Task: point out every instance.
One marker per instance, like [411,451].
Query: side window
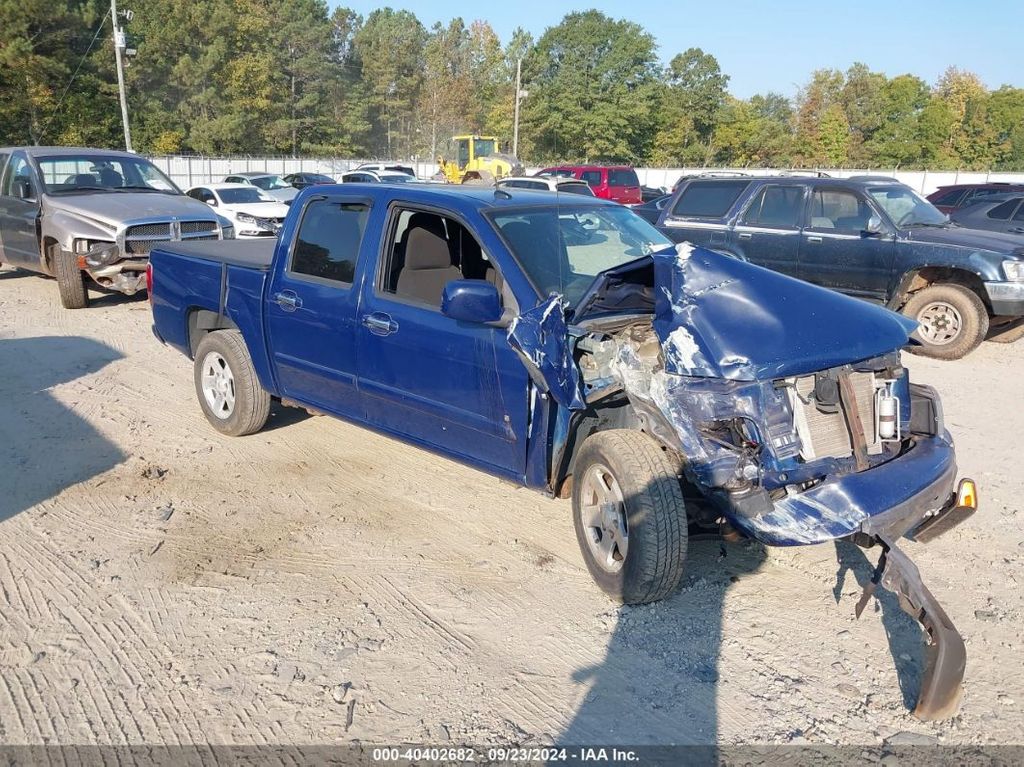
[1004,211]
[1019,215]
[429,250]
[195,194]
[838,210]
[776,207]
[463,153]
[708,199]
[18,170]
[327,244]
[592,177]
[3,165]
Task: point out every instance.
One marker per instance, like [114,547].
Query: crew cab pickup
[870,237]
[568,346]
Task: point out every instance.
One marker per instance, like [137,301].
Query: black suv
[868,236]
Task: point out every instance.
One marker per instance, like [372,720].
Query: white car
[271,183]
[380,166]
[252,211]
[376,177]
[546,183]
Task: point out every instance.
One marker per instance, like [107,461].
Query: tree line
[294,77]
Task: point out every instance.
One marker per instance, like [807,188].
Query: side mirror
[22,189]
[475,301]
[874,225]
[212,203]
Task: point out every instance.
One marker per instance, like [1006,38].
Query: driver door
[837,250]
[19,214]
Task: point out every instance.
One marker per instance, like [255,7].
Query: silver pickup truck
[91,216]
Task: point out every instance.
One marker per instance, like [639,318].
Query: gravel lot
[318,583]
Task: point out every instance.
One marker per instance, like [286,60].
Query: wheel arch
[201,322]
[924,276]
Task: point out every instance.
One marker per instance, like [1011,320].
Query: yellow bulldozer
[478,159]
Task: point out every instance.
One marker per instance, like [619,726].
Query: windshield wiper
[142,188]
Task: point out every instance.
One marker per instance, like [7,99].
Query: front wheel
[71,281]
[953,321]
[629,515]
[228,388]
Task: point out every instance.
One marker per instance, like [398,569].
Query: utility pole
[515,122]
[119,46]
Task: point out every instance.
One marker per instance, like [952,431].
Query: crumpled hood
[720,317]
[117,207]
[974,239]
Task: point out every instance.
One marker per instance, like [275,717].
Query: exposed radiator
[825,434]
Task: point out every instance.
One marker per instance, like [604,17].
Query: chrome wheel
[603,512]
[940,322]
[218,384]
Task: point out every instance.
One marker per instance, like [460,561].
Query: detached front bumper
[890,499]
[1007,298]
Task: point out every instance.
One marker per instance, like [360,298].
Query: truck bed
[251,254]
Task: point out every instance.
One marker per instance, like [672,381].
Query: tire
[1007,334]
[631,466]
[954,321]
[223,367]
[70,279]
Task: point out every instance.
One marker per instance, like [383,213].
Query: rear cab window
[708,199]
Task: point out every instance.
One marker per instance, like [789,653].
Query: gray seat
[428,267]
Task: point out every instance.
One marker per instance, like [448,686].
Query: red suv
[611,182]
[951,198]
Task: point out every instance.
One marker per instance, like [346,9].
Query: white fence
[189,171]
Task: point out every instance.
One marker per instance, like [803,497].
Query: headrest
[84,179]
[426,250]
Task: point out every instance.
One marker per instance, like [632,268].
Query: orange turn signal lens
[967,494]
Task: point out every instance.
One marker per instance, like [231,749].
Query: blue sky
[775,44]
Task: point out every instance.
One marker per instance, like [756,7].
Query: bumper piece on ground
[942,682]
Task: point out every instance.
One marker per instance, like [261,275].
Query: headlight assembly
[1014,270]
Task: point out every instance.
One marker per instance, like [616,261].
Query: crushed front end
[796,420]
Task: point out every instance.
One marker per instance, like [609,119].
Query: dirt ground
[318,583]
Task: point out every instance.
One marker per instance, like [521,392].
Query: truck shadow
[658,682]
[906,643]
[45,446]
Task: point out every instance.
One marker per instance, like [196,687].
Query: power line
[81,61]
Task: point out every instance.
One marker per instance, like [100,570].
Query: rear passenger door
[447,385]
[312,303]
[768,231]
[838,252]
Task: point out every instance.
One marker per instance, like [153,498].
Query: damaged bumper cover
[892,498]
[942,682]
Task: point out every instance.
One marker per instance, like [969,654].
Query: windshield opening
[562,249]
[906,207]
[97,172]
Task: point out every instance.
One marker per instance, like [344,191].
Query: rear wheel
[71,280]
[227,386]
[629,515]
[953,321]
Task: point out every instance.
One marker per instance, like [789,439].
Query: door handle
[1018,230]
[813,238]
[380,324]
[745,235]
[288,301]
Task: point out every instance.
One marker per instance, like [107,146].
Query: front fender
[65,228]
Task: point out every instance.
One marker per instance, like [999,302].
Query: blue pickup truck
[567,345]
